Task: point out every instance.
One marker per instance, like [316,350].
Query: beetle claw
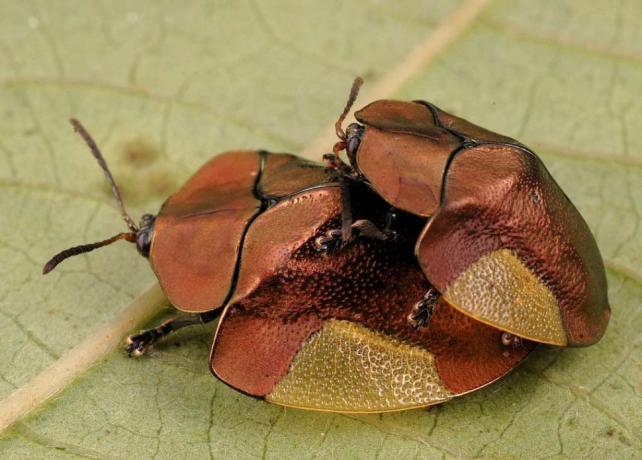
[422,311]
[139,344]
[420,316]
[330,241]
[340,168]
[333,239]
[511,340]
[370,230]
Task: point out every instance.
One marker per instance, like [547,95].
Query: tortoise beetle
[303,323]
[502,243]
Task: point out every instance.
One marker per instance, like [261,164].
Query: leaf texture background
[164,85]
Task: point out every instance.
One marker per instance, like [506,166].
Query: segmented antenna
[354,92]
[83,248]
[80,129]
[62,255]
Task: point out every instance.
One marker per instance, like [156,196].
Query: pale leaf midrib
[77,360]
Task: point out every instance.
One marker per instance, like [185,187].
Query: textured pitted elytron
[500,290]
[347,367]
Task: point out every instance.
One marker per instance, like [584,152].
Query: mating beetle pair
[428,267]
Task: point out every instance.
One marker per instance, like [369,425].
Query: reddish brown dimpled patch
[469,354]
[253,353]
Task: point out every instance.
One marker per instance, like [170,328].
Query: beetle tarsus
[344,174]
[422,311]
[334,239]
[334,162]
[330,241]
[509,340]
[138,344]
[368,229]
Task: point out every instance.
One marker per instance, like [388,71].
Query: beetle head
[140,234]
[145,233]
[354,133]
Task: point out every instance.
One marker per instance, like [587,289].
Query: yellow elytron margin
[499,290]
[346,367]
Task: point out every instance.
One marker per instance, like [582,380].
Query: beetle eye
[353,145]
[354,133]
[144,235]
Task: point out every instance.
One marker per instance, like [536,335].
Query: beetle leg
[511,340]
[334,162]
[421,312]
[346,211]
[330,241]
[335,238]
[369,229]
[138,344]
[343,172]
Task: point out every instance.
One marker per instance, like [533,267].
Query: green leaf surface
[165,85]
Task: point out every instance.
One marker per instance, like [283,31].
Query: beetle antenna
[354,92]
[80,129]
[128,236]
[55,260]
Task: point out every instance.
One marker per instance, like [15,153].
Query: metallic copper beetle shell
[503,243]
[201,229]
[302,328]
